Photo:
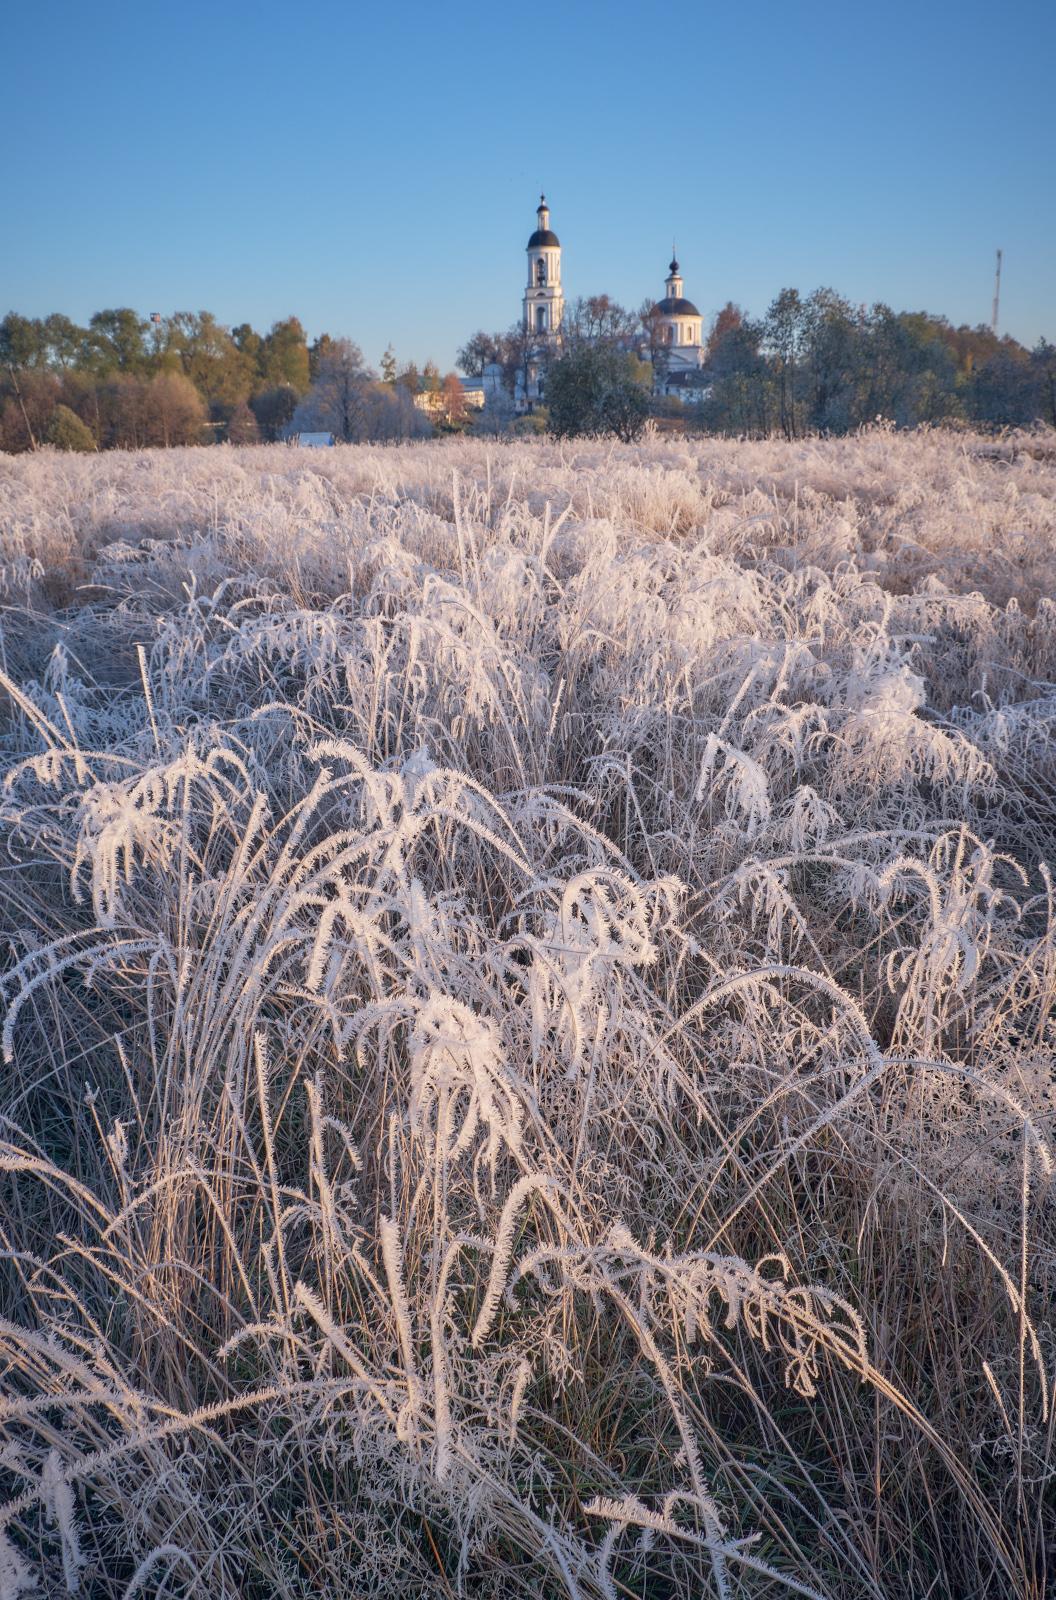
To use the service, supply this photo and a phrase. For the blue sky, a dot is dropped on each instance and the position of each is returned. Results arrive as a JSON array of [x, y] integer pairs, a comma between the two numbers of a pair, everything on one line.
[[375, 169]]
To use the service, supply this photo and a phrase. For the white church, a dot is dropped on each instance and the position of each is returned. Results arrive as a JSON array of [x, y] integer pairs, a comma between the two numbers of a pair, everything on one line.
[[542, 309], [679, 325]]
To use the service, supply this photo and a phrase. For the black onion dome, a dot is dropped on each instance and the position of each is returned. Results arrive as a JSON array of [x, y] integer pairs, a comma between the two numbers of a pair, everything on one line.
[[543, 236], [673, 268], [673, 306]]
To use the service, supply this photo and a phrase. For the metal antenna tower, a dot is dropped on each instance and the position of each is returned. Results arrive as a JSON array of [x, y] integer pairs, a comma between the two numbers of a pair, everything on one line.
[[997, 296]]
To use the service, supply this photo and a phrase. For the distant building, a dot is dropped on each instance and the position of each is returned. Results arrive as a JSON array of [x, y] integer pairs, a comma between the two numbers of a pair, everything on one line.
[[690, 386], [474, 393], [542, 308], [435, 403], [493, 380], [544, 298], [680, 369], [311, 441], [431, 401]]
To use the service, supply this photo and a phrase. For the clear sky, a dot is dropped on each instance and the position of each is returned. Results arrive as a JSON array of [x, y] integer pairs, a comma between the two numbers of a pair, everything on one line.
[[375, 169]]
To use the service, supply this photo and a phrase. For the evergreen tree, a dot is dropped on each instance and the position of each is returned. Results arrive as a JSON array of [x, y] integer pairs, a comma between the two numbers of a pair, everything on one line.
[[321, 348], [594, 389], [242, 427], [66, 431], [284, 357], [249, 342]]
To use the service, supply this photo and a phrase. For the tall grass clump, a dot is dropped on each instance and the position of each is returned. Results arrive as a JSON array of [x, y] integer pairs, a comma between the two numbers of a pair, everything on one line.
[[528, 988]]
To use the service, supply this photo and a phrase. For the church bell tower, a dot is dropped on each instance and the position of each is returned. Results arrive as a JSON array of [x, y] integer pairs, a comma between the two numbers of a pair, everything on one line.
[[544, 299]]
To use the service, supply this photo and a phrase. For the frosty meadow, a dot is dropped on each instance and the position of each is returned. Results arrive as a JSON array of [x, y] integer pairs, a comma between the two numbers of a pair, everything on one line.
[[528, 983]]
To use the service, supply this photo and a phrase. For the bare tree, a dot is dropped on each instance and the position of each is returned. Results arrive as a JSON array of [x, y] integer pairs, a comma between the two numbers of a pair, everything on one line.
[[477, 353], [454, 399], [518, 350], [337, 402], [498, 413], [597, 319], [274, 409], [651, 323], [389, 412]]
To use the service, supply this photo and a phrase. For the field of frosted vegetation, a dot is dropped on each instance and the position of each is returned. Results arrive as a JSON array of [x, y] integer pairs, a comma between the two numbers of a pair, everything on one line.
[[528, 980]]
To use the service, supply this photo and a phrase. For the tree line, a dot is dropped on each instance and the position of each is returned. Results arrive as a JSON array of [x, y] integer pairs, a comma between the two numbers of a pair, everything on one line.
[[812, 363], [127, 381], [819, 364]]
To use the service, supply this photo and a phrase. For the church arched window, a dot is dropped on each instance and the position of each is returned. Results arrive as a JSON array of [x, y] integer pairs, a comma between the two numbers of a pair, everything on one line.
[[540, 271]]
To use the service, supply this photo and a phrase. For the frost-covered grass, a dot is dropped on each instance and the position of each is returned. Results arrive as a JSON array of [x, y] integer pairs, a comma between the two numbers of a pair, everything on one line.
[[528, 983]]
